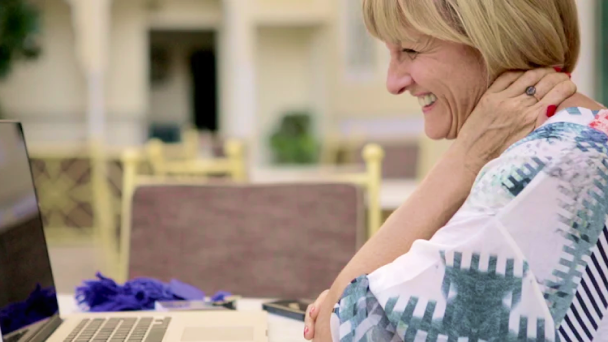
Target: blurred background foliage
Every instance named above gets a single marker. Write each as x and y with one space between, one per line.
293 142
19 29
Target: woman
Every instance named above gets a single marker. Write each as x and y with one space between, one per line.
524 258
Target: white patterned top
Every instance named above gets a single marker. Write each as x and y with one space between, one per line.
524 259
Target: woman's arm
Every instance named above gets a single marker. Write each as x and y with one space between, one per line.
499 120
432 204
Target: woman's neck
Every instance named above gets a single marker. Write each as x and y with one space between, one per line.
580 100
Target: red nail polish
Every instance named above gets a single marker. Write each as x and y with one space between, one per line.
305 331
558 69
551 110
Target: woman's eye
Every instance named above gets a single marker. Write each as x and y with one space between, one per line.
410 53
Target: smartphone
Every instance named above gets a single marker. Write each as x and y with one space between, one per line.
294 309
195 305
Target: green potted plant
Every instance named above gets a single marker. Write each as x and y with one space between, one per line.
293 141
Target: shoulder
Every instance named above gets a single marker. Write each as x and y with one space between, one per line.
572 147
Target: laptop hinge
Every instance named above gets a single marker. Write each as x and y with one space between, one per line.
47 330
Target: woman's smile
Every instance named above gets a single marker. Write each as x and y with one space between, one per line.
427 101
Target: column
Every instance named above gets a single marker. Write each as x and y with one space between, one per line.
237 72
91 20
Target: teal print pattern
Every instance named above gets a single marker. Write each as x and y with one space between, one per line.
523 176
583 228
476 310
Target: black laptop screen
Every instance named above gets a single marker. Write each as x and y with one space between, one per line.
27 293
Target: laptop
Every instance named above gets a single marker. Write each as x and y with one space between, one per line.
28 302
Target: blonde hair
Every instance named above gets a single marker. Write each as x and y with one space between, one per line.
510 35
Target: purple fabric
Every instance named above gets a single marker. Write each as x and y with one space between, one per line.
105 295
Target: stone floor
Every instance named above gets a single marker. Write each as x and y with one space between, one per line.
72 265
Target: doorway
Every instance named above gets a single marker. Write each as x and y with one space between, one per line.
203 67
183 82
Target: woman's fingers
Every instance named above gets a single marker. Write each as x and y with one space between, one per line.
309 323
543 87
548 83
317 304
529 78
560 92
549 103
312 312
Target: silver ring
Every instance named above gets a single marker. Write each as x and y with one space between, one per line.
531 90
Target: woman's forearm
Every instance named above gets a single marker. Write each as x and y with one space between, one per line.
430 207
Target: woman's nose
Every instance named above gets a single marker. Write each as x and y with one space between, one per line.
397 82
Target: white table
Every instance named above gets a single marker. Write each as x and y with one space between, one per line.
279 329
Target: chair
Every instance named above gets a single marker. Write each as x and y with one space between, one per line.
255 240
402 157
368 183
232 164
186 149
140 163
370 180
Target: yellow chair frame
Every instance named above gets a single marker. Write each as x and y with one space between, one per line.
371 181
233 164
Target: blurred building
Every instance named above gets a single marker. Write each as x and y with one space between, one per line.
113 68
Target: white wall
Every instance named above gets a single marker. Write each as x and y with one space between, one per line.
185 14
366 97
170 100
284 59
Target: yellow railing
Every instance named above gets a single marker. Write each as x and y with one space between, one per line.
78 188
64 180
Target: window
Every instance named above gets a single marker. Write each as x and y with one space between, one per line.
360 56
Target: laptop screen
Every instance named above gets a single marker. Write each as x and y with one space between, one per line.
27 294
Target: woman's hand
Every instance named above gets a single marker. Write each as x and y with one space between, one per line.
312 312
506 114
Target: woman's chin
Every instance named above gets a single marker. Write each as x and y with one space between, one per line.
434 134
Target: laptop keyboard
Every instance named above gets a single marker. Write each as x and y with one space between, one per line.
136 329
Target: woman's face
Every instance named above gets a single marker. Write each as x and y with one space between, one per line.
447 78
